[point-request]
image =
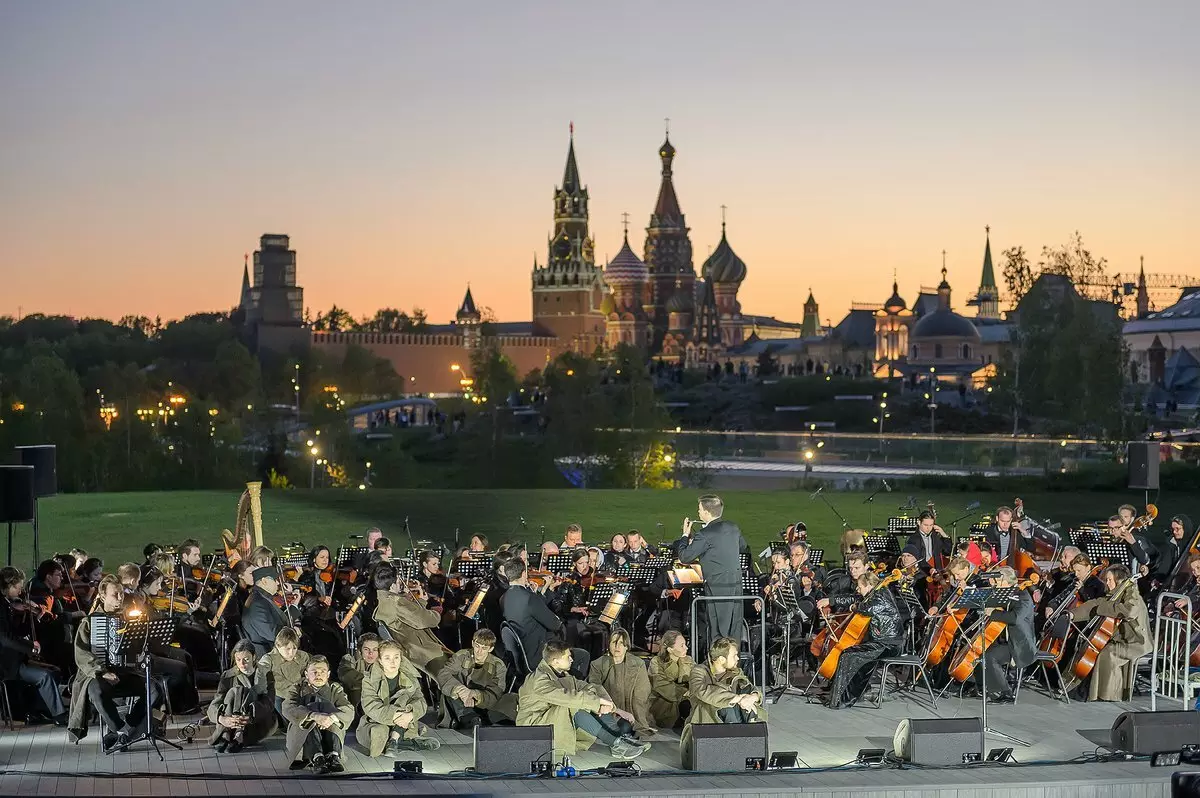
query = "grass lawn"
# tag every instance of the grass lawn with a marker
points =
(115, 526)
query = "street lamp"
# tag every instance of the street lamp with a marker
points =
(312, 476)
(932, 410)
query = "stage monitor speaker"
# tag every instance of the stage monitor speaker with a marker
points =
(510, 749)
(720, 747)
(937, 741)
(1149, 732)
(43, 458)
(1142, 457)
(16, 494)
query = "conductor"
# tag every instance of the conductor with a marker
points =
(717, 545)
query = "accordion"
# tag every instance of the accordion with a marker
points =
(106, 638)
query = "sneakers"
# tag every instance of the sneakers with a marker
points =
(628, 748)
(420, 744)
(467, 722)
(318, 764)
(333, 764)
(392, 748)
(298, 764)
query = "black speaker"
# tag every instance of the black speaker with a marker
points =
(511, 749)
(1149, 732)
(1142, 457)
(724, 746)
(937, 741)
(16, 494)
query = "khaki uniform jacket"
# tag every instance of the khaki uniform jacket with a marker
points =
(297, 707)
(411, 625)
(379, 705)
(628, 684)
(710, 694)
(491, 679)
(281, 674)
(79, 714)
(668, 689)
(350, 673)
(547, 699)
(253, 692)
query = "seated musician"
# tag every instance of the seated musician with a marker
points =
(549, 549)
(97, 681)
(173, 663)
(570, 604)
(243, 708)
(261, 557)
(959, 570)
(1007, 538)
(473, 685)
(1017, 643)
(149, 552)
(478, 544)
(572, 538)
(392, 706)
(1089, 585)
(129, 574)
(430, 565)
(841, 589)
(318, 714)
(530, 613)
(80, 556)
(50, 588)
(283, 666)
(16, 651)
(1141, 550)
(1189, 584)
(1110, 679)
(798, 561)
(720, 693)
(354, 666)
(638, 549)
(579, 712)
(362, 560)
(670, 672)
(595, 558)
(319, 588)
(408, 620)
(380, 554)
(618, 548)
(930, 543)
(884, 637)
(626, 681)
(262, 618)
(1173, 547)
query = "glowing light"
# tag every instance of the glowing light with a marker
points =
(455, 367)
(18, 407)
(570, 372)
(362, 487)
(212, 411)
(314, 451)
(808, 454)
(678, 428)
(667, 458)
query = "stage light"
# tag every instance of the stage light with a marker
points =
(1165, 759)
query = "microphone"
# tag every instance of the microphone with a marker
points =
(522, 521)
(886, 486)
(355, 537)
(973, 506)
(816, 493)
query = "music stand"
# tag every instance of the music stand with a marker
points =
(978, 598)
(559, 564)
(780, 547)
(606, 600)
(901, 525)
(348, 556)
(881, 544)
(1111, 550)
(473, 569)
(686, 576)
(816, 557)
(785, 599)
(137, 636)
(471, 613)
(744, 558)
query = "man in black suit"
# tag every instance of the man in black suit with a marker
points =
(1006, 538)
(717, 546)
(1018, 643)
(930, 542)
(535, 622)
(262, 618)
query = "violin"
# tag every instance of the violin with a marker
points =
(963, 664)
(170, 601)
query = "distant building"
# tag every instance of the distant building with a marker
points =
(1163, 346)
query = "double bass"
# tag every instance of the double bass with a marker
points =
(966, 658)
(853, 632)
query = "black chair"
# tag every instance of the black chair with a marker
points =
(517, 661)
(917, 661)
(1046, 660)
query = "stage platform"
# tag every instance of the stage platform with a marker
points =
(41, 761)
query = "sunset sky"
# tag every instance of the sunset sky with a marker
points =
(411, 147)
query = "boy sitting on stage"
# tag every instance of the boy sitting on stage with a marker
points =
(354, 666)
(625, 680)
(579, 712)
(318, 714)
(720, 693)
(284, 665)
(473, 686)
(243, 709)
(392, 706)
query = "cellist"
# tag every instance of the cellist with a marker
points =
(1109, 680)
(885, 637)
(930, 542)
(1018, 644)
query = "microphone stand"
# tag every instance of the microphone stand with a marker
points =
(954, 524)
(870, 500)
(819, 494)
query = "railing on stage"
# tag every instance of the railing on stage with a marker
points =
(1173, 649)
(762, 631)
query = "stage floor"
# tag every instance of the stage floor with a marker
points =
(41, 761)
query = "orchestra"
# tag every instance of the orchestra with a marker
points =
(481, 637)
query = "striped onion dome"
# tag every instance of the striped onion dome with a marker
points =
(626, 268)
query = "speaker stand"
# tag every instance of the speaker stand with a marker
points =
(10, 537)
(986, 729)
(37, 551)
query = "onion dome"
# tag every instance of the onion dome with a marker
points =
(608, 305)
(626, 268)
(895, 301)
(724, 266)
(944, 323)
(944, 285)
(680, 301)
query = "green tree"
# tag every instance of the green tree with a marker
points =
(494, 374)
(1075, 261)
(1017, 272)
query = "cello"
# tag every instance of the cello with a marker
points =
(945, 628)
(1096, 635)
(967, 657)
(853, 632)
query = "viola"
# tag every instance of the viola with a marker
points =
(327, 575)
(853, 633)
(965, 659)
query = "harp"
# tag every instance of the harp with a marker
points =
(247, 529)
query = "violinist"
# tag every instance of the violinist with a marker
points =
(88, 580)
(16, 647)
(431, 565)
(529, 612)
(80, 556)
(572, 538)
(930, 542)
(885, 637)
(318, 617)
(262, 618)
(1110, 679)
(570, 604)
(98, 682)
(51, 589)
(478, 544)
(1006, 538)
(618, 549)
(1017, 643)
(408, 620)
(959, 572)
(1141, 550)
(1172, 549)
(1060, 581)
(174, 664)
(799, 564)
